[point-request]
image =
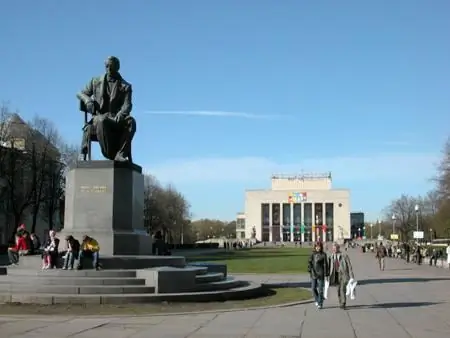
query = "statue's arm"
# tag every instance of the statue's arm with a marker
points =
(127, 102)
(85, 95)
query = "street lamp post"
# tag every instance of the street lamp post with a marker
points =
(416, 208)
(379, 228)
(394, 218)
(359, 232)
(371, 233)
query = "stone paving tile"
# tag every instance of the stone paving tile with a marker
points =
(403, 301)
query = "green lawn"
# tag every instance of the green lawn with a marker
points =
(260, 260)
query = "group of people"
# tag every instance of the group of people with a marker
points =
(334, 269)
(29, 244)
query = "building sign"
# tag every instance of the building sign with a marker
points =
(297, 197)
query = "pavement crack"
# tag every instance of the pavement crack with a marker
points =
(253, 324)
(351, 325)
(305, 312)
(201, 326)
(88, 329)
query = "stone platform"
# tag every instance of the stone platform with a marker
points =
(197, 283)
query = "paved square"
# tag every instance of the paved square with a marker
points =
(404, 301)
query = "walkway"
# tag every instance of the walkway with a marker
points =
(405, 301)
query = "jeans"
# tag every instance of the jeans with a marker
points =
(381, 262)
(69, 261)
(317, 286)
(93, 255)
(13, 256)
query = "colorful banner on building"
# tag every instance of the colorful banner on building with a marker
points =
(297, 197)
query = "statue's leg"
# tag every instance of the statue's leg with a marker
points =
(85, 141)
(128, 128)
(104, 127)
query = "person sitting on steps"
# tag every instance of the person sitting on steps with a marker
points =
(73, 250)
(19, 249)
(50, 254)
(35, 244)
(89, 248)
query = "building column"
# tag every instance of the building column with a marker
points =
(281, 222)
(292, 221)
(324, 231)
(270, 222)
(313, 233)
(302, 222)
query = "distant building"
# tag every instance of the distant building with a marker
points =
(298, 208)
(240, 226)
(357, 224)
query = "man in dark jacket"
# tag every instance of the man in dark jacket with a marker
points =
(318, 270)
(380, 256)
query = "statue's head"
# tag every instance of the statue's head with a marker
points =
(112, 65)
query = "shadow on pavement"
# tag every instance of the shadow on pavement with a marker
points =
(391, 305)
(281, 285)
(401, 280)
(307, 284)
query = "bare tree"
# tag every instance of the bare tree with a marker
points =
(404, 210)
(54, 188)
(45, 156)
(166, 210)
(443, 174)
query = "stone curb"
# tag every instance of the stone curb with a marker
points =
(277, 306)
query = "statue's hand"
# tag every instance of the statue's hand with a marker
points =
(119, 117)
(90, 106)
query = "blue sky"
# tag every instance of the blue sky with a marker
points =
(228, 92)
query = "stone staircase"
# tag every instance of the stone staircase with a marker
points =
(192, 283)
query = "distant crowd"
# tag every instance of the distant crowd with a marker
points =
(51, 252)
(412, 252)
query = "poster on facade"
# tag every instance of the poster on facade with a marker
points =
(297, 197)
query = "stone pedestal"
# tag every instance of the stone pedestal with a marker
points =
(105, 200)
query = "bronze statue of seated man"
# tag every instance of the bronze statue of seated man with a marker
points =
(109, 99)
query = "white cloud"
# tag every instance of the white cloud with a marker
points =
(213, 113)
(379, 167)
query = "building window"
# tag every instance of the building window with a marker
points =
(329, 215)
(265, 214)
(286, 214)
(276, 214)
(307, 212)
(242, 235)
(265, 237)
(297, 214)
(318, 212)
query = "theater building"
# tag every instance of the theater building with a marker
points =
(298, 208)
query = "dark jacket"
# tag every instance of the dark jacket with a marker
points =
(318, 265)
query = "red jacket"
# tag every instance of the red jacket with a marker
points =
(22, 244)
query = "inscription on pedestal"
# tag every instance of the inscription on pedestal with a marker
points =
(93, 188)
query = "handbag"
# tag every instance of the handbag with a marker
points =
(350, 290)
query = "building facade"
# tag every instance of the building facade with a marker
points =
(240, 226)
(298, 208)
(357, 224)
(18, 141)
